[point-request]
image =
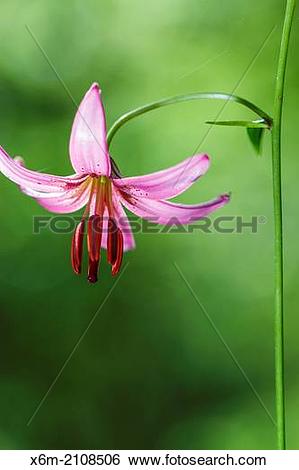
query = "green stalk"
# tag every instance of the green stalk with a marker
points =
(275, 126)
(278, 227)
(266, 119)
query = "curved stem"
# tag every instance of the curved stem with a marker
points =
(278, 230)
(181, 98)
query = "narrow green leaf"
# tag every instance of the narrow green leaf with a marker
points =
(260, 124)
(255, 137)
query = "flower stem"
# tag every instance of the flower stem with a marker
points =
(278, 227)
(267, 120)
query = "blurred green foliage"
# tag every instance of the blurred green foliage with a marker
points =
(150, 372)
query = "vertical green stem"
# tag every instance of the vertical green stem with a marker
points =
(278, 243)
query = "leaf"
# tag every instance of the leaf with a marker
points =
(256, 137)
(255, 130)
(260, 124)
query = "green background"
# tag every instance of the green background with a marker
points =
(150, 372)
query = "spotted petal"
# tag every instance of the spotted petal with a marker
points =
(88, 144)
(35, 180)
(68, 201)
(167, 183)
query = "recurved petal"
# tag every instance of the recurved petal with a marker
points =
(168, 213)
(34, 180)
(167, 183)
(88, 144)
(66, 202)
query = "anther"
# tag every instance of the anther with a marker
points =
(119, 255)
(94, 236)
(112, 241)
(77, 247)
(92, 270)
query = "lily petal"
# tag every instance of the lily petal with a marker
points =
(42, 182)
(69, 201)
(88, 143)
(167, 183)
(168, 213)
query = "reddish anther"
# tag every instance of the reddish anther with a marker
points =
(119, 253)
(77, 247)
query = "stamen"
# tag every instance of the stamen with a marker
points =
(120, 248)
(112, 241)
(115, 240)
(77, 246)
(94, 236)
(93, 270)
(100, 199)
(95, 229)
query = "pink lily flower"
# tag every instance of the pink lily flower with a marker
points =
(98, 186)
